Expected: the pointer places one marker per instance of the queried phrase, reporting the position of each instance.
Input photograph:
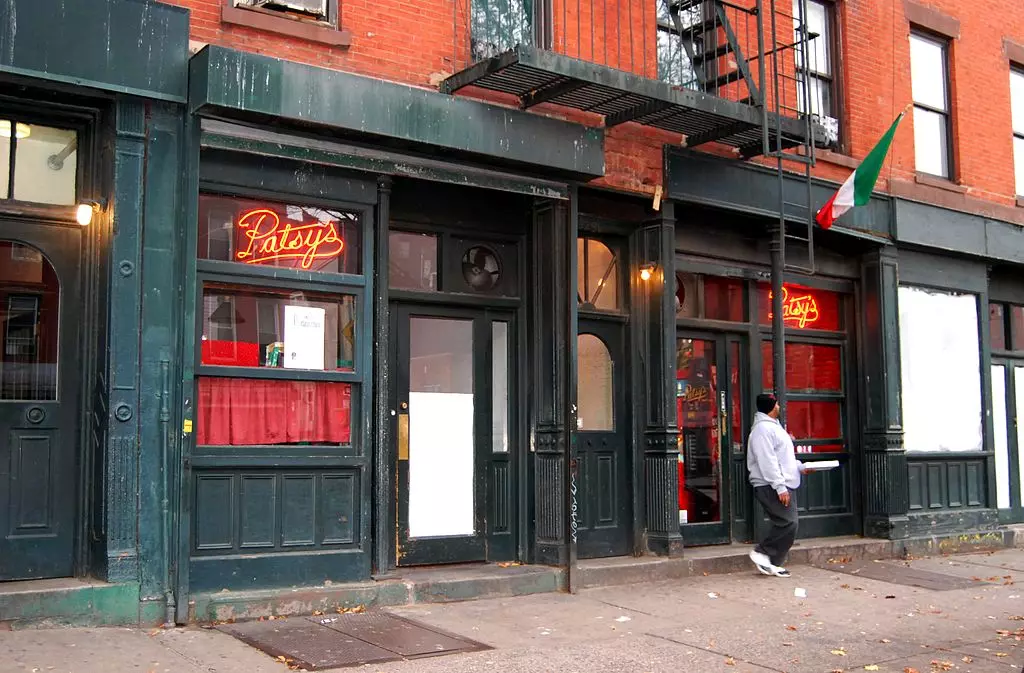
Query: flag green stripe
(867, 173)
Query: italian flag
(856, 191)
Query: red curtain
(247, 412)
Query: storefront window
(809, 367)
(297, 346)
(266, 328)
(45, 162)
(941, 370)
(260, 412)
(803, 307)
(814, 384)
(710, 297)
(267, 234)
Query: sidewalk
(962, 615)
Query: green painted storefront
(186, 484)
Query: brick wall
(418, 42)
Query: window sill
(831, 157)
(939, 183)
(260, 19)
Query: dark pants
(780, 538)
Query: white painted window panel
(1001, 438)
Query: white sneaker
(762, 562)
(779, 571)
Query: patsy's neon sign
(266, 240)
(798, 310)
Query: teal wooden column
(653, 330)
(121, 477)
(886, 497)
(551, 347)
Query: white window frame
(822, 73)
(1017, 122)
(922, 109)
(326, 14)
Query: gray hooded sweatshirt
(771, 458)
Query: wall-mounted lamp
(86, 210)
(647, 270)
(20, 130)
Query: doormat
(338, 641)
(897, 573)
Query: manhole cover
(338, 641)
(896, 573)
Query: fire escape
(738, 75)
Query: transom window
(38, 164)
(597, 276)
(929, 79)
(1017, 107)
(1006, 326)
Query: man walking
(775, 475)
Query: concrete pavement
(732, 623)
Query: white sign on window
(941, 370)
(304, 337)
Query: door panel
(703, 404)
(455, 433)
(603, 431)
(38, 400)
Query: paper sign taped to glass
(304, 337)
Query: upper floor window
(499, 25)
(38, 164)
(929, 79)
(300, 9)
(674, 64)
(1017, 107)
(816, 90)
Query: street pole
(778, 255)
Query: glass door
(455, 433)
(1008, 437)
(709, 410)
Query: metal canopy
(536, 76)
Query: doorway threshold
(68, 601)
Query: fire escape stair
(537, 76)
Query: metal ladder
(796, 208)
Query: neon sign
(798, 310)
(268, 241)
(696, 394)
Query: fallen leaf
(844, 586)
(890, 596)
(730, 662)
(967, 660)
(790, 627)
(1002, 654)
(942, 665)
(871, 667)
(787, 644)
(1016, 618)
(885, 640)
(318, 613)
(908, 669)
(839, 653)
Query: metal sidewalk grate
(898, 573)
(339, 641)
